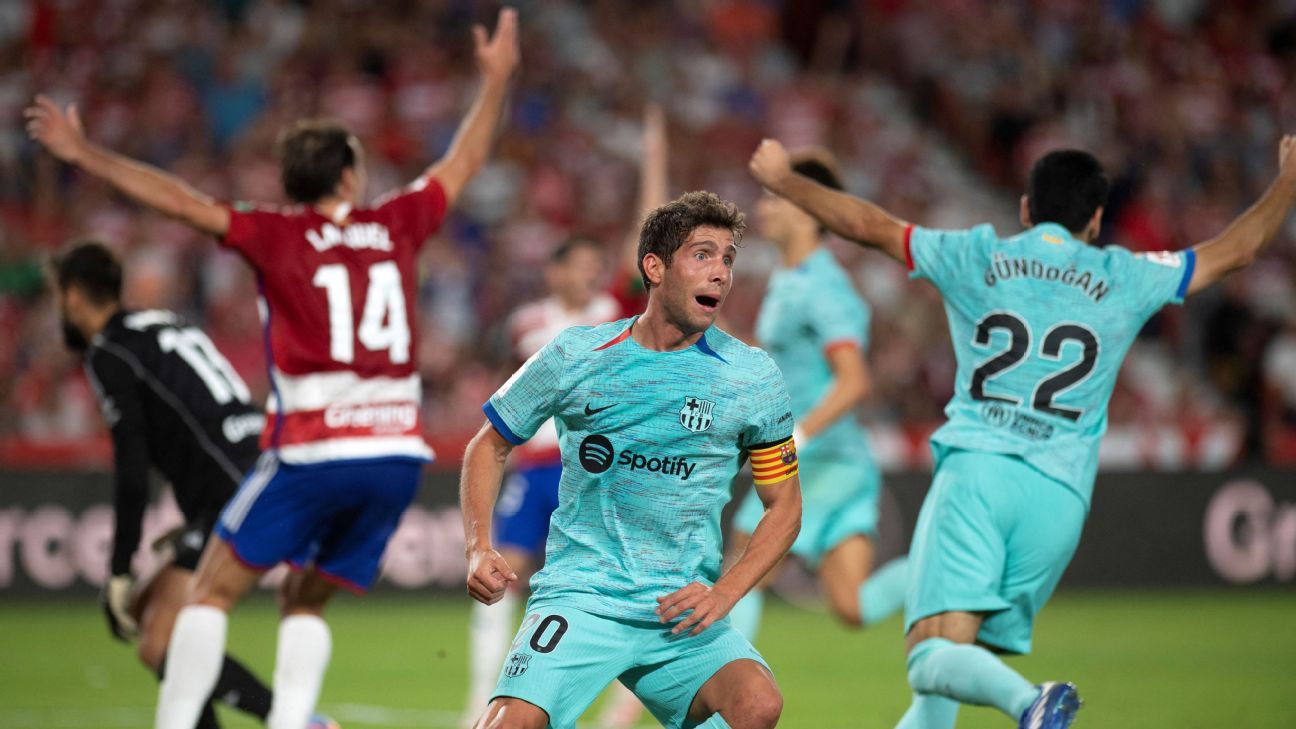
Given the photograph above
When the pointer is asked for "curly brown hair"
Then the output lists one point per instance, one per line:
(666, 228)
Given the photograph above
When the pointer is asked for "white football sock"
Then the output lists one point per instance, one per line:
(194, 658)
(490, 633)
(304, 648)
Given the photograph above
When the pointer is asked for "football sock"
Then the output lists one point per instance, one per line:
(490, 631)
(969, 674)
(715, 722)
(303, 654)
(194, 662)
(237, 687)
(929, 711)
(746, 614)
(207, 720)
(883, 593)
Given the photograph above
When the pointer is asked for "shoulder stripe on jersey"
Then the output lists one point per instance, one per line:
(494, 417)
(908, 235)
(614, 341)
(125, 355)
(1190, 262)
(705, 346)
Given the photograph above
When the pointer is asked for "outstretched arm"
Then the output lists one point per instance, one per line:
(850, 217)
(497, 57)
(850, 385)
(653, 189)
(1246, 236)
(483, 469)
(60, 131)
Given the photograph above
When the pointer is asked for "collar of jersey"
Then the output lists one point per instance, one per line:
(701, 344)
(1055, 230)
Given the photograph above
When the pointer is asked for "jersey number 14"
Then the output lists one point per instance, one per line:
(383, 324)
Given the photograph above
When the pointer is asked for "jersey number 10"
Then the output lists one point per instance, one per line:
(383, 324)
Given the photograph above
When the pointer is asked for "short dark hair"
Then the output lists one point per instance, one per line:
(313, 153)
(818, 170)
(666, 228)
(567, 247)
(92, 268)
(1066, 187)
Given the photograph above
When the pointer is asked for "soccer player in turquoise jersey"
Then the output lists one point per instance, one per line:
(655, 415)
(1040, 323)
(815, 326)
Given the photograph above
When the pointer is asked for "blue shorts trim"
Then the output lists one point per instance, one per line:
(335, 516)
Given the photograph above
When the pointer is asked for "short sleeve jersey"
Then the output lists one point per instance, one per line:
(809, 310)
(652, 443)
(337, 304)
(1040, 324)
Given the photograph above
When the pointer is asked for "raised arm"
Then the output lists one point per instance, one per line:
(653, 188)
(1246, 236)
(497, 58)
(60, 132)
(846, 215)
(483, 470)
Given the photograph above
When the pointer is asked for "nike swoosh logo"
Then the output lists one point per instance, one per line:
(594, 411)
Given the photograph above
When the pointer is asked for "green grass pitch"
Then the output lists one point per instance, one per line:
(1183, 659)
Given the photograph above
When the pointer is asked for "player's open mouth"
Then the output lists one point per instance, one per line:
(707, 302)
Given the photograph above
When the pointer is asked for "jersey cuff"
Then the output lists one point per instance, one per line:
(500, 426)
(840, 343)
(1190, 263)
(908, 236)
(774, 464)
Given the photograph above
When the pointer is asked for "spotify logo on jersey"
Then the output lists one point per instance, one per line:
(596, 453)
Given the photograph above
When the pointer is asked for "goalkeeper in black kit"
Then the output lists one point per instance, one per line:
(173, 403)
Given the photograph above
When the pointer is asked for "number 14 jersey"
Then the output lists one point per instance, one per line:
(1040, 323)
(337, 304)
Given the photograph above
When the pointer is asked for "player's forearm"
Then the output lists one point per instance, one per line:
(769, 543)
(129, 502)
(472, 142)
(1247, 236)
(842, 397)
(848, 216)
(152, 187)
(483, 470)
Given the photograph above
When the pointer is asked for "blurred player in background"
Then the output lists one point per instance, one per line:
(655, 414)
(171, 401)
(573, 276)
(815, 326)
(1040, 323)
(345, 449)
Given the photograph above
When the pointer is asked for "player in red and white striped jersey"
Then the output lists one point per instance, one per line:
(344, 447)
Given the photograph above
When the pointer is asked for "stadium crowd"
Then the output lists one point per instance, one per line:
(1182, 101)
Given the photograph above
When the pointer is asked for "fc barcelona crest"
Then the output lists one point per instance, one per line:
(517, 664)
(697, 414)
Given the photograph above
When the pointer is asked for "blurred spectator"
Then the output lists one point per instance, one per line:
(935, 107)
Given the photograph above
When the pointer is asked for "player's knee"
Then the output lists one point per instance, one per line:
(758, 710)
(151, 651)
(847, 613)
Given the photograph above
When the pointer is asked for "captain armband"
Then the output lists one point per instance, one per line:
(775, 463)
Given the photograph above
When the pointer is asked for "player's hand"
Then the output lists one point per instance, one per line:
(489, 575)
(770, 164)
(59, 130)
(116, 599)
(707, 603)
(497, 56)
(1287, 156)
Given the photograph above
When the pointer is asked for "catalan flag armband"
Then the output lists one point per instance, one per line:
(773, 464)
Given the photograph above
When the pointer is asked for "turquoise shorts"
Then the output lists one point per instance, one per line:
(563, 657)
(839, 499)
(994, 536)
